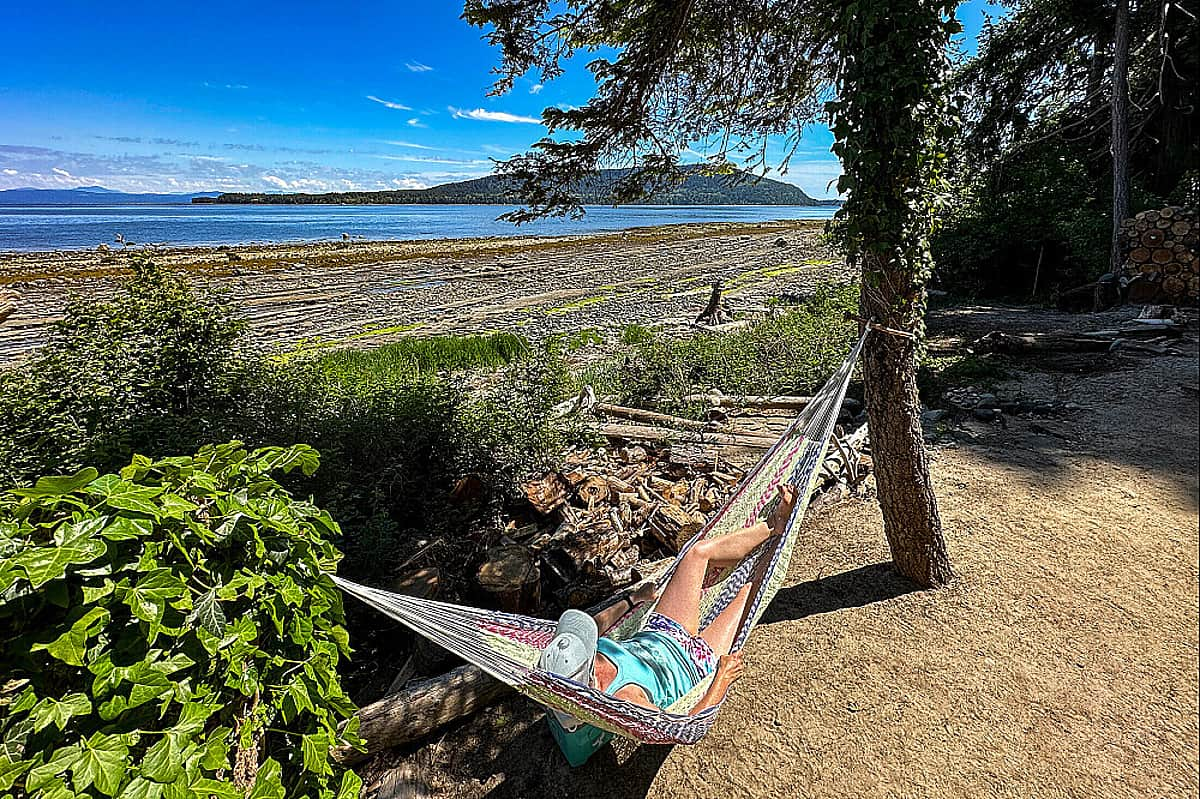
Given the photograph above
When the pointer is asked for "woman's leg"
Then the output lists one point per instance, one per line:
(680, 598)
(720, 633)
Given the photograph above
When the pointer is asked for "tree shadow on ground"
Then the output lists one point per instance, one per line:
(851, 589)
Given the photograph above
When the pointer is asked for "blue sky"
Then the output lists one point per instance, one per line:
(276, 96)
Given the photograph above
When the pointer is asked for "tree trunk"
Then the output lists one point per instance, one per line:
(1120, 131)
(910, 514)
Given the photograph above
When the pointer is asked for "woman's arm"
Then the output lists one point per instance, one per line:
(729, 671)
(609, 616)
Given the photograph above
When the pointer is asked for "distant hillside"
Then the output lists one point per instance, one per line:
(92, 195)
(491, 190)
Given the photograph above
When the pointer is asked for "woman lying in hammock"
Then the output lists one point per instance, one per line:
(671, 655)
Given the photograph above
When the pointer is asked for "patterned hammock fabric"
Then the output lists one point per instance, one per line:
(507, 646)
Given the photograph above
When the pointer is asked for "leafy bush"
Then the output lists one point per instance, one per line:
(793, 352)
(153, 370)
(170, 632)
(394, 442)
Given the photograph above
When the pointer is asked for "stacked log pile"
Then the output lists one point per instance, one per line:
(1160, 255)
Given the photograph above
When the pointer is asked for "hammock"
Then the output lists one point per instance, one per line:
(507, 646)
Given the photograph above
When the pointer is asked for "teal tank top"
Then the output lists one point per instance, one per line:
(654, 662)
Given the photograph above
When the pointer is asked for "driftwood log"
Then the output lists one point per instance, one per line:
(632, 432)
(650, 417)
(779, 402)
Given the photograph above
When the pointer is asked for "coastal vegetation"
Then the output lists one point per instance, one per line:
(694, 187)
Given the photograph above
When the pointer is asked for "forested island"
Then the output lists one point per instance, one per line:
(696, 189)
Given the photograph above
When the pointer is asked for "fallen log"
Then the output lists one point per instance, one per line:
(652, 417)
(780, 402)
(659, 434)
(420, 709)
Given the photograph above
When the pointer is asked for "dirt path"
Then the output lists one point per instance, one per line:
(1063, 662)
(366, 293)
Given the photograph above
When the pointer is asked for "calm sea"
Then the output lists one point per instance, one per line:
(38, 228)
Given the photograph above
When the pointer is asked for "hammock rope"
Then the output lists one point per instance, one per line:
(507, 645)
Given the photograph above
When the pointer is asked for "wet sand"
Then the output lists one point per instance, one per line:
(365, 293)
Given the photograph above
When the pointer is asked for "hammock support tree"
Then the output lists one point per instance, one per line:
(507, 646)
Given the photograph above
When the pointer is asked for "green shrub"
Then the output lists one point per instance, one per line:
(153, 370)
(791, 353)
(171, 632)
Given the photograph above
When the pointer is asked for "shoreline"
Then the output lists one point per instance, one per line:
(361, 294)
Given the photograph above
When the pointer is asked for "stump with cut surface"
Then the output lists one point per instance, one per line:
(511, 578)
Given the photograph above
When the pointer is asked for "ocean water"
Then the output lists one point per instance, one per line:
(41, 228)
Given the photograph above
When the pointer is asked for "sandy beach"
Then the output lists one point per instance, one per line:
(366, 293)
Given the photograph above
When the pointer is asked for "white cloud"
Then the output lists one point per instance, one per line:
(417, 123)
(388, 103)
(409, 183)
(423, 159)
(62, 172)
(493, 116)
(535, 88)
(417, 66)
(276, 181)
(409, 144)
(11, 172)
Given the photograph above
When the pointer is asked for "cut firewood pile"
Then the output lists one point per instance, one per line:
(1161, 261)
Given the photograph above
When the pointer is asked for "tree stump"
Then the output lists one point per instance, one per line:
(511, 578)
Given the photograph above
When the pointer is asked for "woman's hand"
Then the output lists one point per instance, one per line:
(729, 670)
(645, 593)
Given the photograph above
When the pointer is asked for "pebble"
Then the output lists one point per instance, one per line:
(985, 414)
(933, 416)
(986, 401)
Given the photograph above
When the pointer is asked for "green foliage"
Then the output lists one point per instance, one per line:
(395, 437)
(428, 355)
(890, 122)
(790, 353)
(170, 631)
(152, 370)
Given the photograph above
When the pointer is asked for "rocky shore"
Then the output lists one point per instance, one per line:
(366, 293)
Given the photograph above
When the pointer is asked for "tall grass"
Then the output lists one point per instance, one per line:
(428, 355)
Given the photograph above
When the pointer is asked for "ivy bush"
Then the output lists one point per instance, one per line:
(171, 631)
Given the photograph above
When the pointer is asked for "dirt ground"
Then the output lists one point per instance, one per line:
(1061, 663)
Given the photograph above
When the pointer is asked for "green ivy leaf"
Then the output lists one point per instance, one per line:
(71, 646)
(268, 783)
(207, 613)
(10, 770)
(161, 762)
(141, 788)
(101, 762)
(59, 711)
(315, 751)
(58, 486)
(205, 787)
(41, 775)
(44, 564)
(350, 787)
(124, 495)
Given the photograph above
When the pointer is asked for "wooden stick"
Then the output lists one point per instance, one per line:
(639, 415)
(646, 433)
(779, 402)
